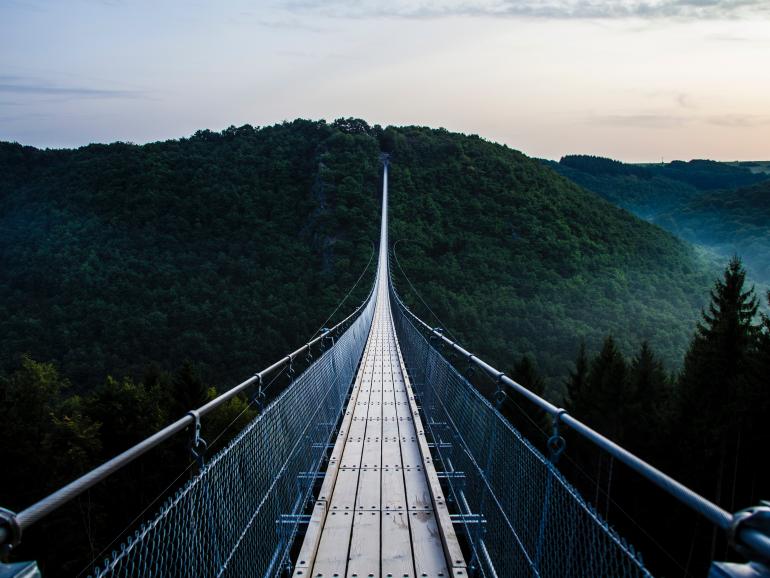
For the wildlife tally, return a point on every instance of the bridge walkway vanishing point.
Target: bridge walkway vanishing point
(381, 510)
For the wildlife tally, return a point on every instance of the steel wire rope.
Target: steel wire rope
(414, 289)
(76, 487)
(366, 268)
(605, 494)
(545, 434)
(163, 492)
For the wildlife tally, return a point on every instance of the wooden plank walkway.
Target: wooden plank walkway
(381, 512)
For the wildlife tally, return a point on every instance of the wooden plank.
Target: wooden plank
(307, 553)
(410, 452)
(351, 456)
(397, 560)
(368, 490)
(391, 452)
(364, 557)
(344, 496)
(452, 551)
(393, 492)
(417, 493)
(332, 556)
(429, 559)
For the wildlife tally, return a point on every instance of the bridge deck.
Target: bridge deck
(381, 511)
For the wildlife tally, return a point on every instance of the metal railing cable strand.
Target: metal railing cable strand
(534, 522)
(238, 515)
(353, 288)
(141, 514)
(416, 292)
(15, 524)
(716, 515)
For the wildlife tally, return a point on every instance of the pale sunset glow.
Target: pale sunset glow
(637, 81)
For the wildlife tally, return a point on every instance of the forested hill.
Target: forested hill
(515, 260)
(226, 249)
(229, 249)
(724, 207)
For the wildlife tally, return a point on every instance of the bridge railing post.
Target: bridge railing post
(749, 534)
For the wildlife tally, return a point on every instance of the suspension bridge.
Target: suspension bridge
(382, 460)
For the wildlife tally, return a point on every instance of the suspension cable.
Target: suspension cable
(719, 517)
(416, 292)
(13, 524)
(361, 276)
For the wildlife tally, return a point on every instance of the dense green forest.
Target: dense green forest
(521, 262)
(136, 281)
(722, 207)
(707, 427)
(225, 248)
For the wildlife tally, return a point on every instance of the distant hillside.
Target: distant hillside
(230, 248)
(227, 249)
(516, 260)
(731, 221)
(723, 207)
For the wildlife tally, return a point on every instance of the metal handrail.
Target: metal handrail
(13, 524)
(753, 540)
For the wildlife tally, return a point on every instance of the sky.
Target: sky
(638, 81)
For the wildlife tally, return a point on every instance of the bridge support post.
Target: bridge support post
(10, 536)
(20, 570)
(733, 570)
(750, 536)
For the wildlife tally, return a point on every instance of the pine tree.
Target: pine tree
(718, 358)
(187, 391)
(576, 382)
(525, 373)
(712, 386)
(607, 394)
(651, 402)
(756, 397)
(763, 359)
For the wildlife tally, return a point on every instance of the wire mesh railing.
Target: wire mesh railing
(238, 516)
(529, 520)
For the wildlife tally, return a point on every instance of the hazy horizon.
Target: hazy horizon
(329, 120)
(638, 81)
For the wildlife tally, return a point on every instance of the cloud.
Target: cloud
(643, 120)
(679, 99)
(283, 23)
(671, 121)
(554, 9)
(26, 5)
(684, 100)
(738, 120)
(732, 38)
(31, 87)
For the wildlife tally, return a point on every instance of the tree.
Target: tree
(605, 401)
(712, 404)
(48, 436)
(525, 373)
(756, 398)
(651, 403)
(576, 382)
(48, 439)
(187, 391)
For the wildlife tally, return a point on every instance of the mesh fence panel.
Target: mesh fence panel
(534, 522)
(238, 516)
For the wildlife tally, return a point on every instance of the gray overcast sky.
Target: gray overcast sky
(634, 80)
